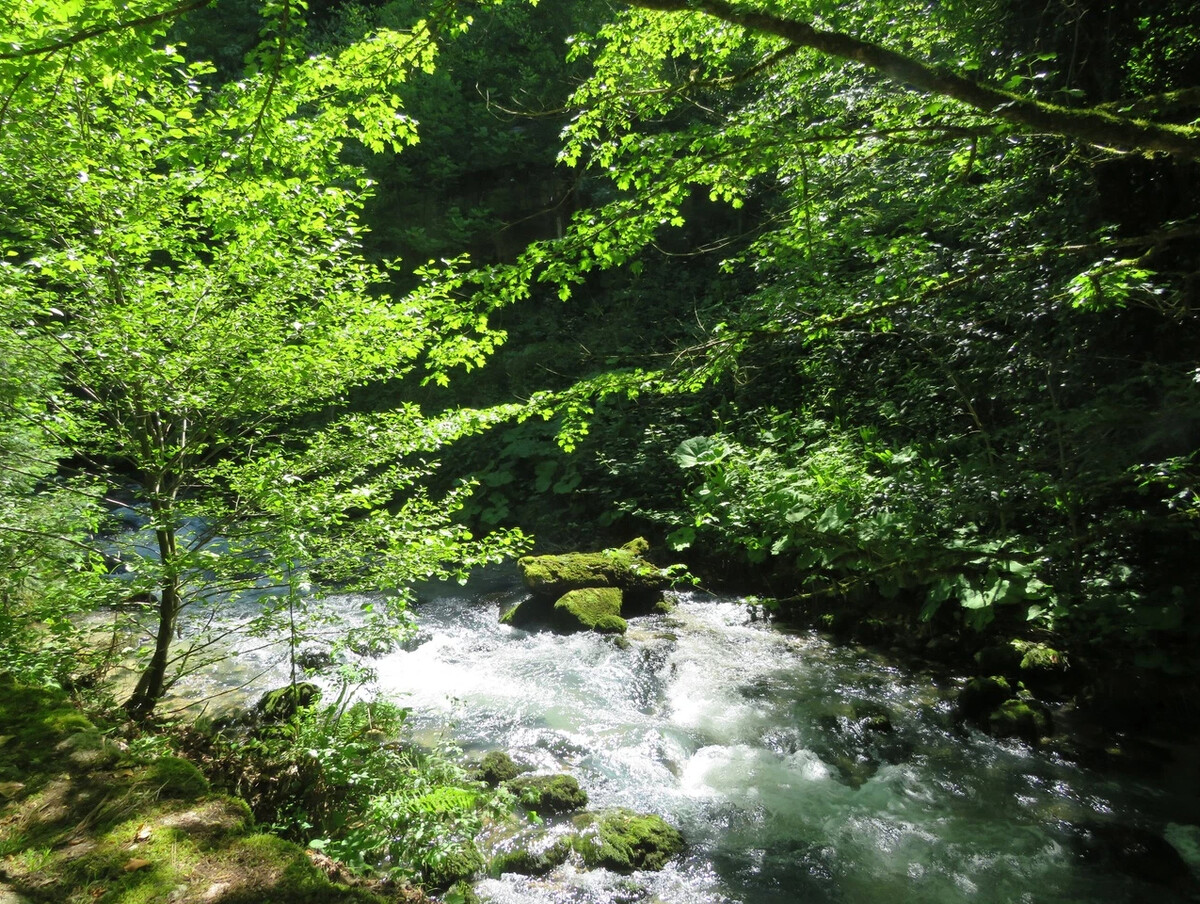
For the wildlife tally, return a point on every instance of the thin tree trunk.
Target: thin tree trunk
(153, 681)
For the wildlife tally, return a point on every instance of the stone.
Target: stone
(532, 854)
(591, 609)
(623, 567)
(981, 696)
(623, 841)
(1026, 720)
(460, 865)
(496, 767)
(282, 704)
(548, 794)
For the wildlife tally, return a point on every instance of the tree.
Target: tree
(956, 368)
(183, 254)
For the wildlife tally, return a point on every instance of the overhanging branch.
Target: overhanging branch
(1093, 126)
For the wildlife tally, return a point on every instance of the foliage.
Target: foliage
(182, 255)
(951, 362)
(343, 780)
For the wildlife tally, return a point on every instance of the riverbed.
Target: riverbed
(798, 769)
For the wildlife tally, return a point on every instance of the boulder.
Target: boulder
(547, 794)
(1024, 719)
(533, 853)
(992, 705)
(461, 864)
(623, 841)
(980, 697)
(282, 704)
(1134, 851)
(623, 567)
(591, 609)
(496, 767)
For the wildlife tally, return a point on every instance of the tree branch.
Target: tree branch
(95, 31)
(1093, 126)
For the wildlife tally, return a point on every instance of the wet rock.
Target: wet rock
(1134, 851)
(980, 697)
(624, 568)
(314, 659)
(529, 612)
(999, 659)
(992, 705)
(624, 841)
(533, 853)
(591, 609)
(1024, 719)
(548, 794)
(856, 739)
(496, 767)
(282, 704)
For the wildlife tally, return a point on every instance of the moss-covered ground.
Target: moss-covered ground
(84, 822)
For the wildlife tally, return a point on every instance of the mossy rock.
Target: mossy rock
(999, 659)
(534, 856)
(176, 778)
(1016, 718)
(623, 567)
(461, 864)
(530, 612)
(624, 841)
(496, 767)
(591, 609)
(547, 794)
(981, 696)
(43, 727)
(283, 704)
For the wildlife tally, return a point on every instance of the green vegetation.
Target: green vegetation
(547, 794)
(885, 312)
(87, 822)
(592, 608)
(624, 841)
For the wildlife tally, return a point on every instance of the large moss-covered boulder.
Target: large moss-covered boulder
(534, 852)
(624, 841)
(624, 568)
(496, 767)
(1025, 719)
(546, 794)
(591, 609)
(980, 697)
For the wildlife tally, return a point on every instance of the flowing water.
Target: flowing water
(798, 770)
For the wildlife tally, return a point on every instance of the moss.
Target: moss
(1037, 657)
(529, 612)
(1021, 719)
(533, 859)
(624, 568)
(496, 767)
(136, 835)
(546, 794)
(174, 777)
(458, 865)
(982, 695)
(624, 841)
(282, 704)
(592, 608)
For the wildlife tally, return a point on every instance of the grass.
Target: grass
(83, 823)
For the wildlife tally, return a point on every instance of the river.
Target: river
(798, 770)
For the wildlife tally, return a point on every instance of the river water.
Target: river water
(798, 770)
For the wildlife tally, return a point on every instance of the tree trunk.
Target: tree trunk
(153, 681)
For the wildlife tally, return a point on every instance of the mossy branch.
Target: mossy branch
(1098, 127)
